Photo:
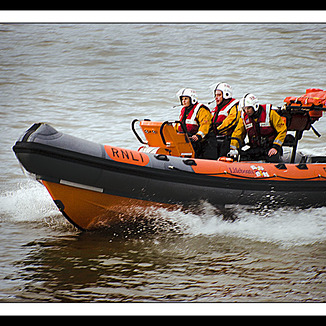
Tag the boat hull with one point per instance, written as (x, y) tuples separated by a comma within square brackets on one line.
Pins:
[(90, 210), (97, 185)]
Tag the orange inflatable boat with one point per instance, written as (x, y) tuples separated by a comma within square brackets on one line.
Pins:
[(96, 185)]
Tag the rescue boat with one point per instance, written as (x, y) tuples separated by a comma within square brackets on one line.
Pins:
[(96, 185)]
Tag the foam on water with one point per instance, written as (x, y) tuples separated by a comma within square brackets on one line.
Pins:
[(283, 226), (30, 202)]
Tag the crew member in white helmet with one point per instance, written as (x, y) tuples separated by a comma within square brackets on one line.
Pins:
[(265, 128), (225, 116), (196, 118)]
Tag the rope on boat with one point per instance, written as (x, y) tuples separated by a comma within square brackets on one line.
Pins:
[(248, 177), (278, 176)]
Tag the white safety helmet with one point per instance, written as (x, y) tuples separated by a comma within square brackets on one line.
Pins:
[(188, 92), (225, 88), (249, 100)]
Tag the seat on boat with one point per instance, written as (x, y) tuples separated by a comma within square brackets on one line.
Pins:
[(162, 138)]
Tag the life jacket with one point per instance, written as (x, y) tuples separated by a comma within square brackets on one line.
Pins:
[(314, 100), (190, 120), (260, 132), (220, 114), (312, 97)]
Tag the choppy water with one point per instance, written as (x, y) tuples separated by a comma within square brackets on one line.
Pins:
[(91, 80)]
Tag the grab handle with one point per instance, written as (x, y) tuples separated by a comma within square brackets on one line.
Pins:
[(170, 122), (135, 132)]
